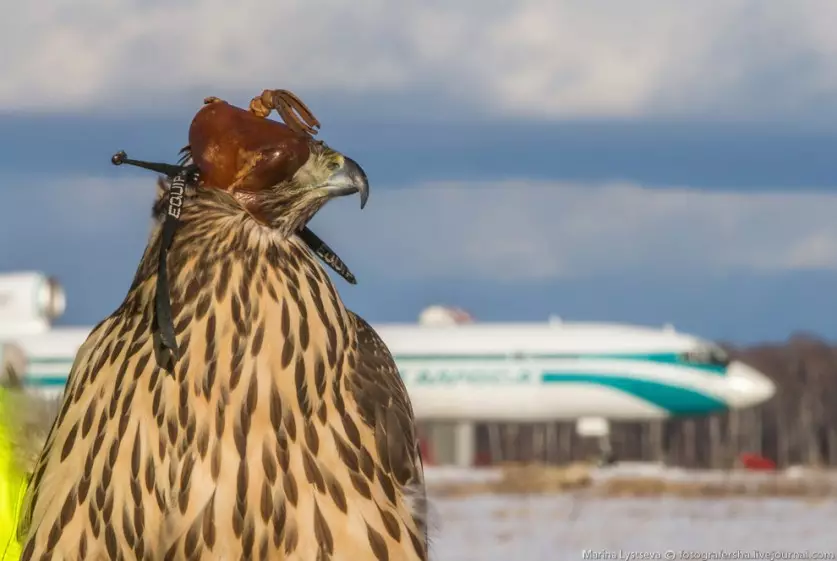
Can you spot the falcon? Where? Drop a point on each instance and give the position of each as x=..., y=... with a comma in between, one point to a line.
x=232, y=407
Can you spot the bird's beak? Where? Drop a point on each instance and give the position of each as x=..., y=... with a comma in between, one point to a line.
x=348, y=179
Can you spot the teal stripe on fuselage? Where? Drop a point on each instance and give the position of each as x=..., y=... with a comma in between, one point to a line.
x=46, y=381
x=676, y=399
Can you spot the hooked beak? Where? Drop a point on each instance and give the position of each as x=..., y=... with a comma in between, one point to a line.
x=348, y=179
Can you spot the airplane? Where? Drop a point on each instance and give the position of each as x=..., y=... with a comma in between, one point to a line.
x=458, y=370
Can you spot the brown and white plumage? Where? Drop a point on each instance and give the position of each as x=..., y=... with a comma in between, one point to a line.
x=283, y=431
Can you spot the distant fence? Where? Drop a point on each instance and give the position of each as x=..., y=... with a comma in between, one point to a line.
x=798, y=426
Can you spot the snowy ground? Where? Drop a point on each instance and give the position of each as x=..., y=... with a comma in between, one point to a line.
x=559, y=527
x=495, y=528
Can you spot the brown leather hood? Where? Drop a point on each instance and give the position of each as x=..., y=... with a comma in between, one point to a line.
x=241, y=150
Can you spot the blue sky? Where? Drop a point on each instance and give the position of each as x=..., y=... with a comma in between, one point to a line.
x=658, y=162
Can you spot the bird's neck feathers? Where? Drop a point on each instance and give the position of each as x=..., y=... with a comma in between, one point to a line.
x=281, y=211
x=234, y=279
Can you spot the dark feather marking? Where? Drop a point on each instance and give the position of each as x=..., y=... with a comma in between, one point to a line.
x=203, y=440
x=183, y=365
x=258, y=339
x=208, y=529
x=347, y=455
x=321, y=312
x=120, y=375
x=236, y=362
x=322, y=531
x=290, y=487
x=209, y=354
x=248, y=540
x=312, y=439
x=351, y=430
x=223, y=281
x=275, y=408
x=337, y=495
x=304, y=335
x=240, y=430
x=238, y=319
x=390, y=523
x=332, y=336
x=240, y=510
x=418, y=546
x=154, y=378
x=282, y=453
x=286, y=320
x=244, y=291
x=360, y=484
x=331, y=354
x=252, y=394
x=209, y=378
x=70, y=442
x=379, y=546
x=128, y=529
x=171, y=425
x=150, y=475
x=319, y=375
x=87, y=422
x=287, y=351
x=190, y=544
x=291, y=540
x=290, y=426
x=69, y=509
x=185, y=482
x=386, y=485
x=312, y=472
x=220, y=420
x=295, y=296
x=110, y=541
x=266, y=502
x=117, y=350
x=183, y=405
x=192, y=290
x=279, y=518
x=302, y=387
x=269, y=464
x=157, y=403
x=135, y=454
x=83, y=488
x=271, y=291
x=182, y=325
x=203, y=306
x=367, y=464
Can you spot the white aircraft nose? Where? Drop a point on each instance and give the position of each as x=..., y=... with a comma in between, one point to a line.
x=747, y=386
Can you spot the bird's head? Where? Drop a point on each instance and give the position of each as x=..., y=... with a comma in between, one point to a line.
x=277, y=172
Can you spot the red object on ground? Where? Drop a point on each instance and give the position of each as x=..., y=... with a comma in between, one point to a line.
x=482, y=459
x=424, y=448
x=756, y=462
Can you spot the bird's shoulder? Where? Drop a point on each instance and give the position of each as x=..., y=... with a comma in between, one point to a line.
x=384, y=404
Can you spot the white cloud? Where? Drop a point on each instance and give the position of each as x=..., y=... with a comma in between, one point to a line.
x=528, y=230
x=537, y=58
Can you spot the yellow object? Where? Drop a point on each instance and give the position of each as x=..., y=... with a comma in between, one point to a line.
x=12, y=482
